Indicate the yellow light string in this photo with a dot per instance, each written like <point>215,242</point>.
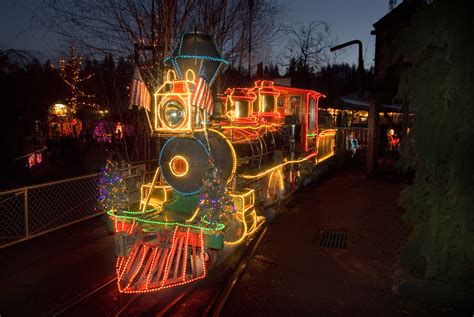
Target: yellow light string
<point>240,127</point>
<point>75,64</point>
<point>280,181</point>
<point>244,232</point>
<point>163,94</point>
<point>261,174</point>
<point>196,212</point>
<point>172,166</point>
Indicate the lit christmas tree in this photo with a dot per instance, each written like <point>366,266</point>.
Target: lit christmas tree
<point>112,189</point>
<point>216,204</point>
<point>70,71</point>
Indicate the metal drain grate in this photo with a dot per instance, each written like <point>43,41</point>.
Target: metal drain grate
<point>333,240</point>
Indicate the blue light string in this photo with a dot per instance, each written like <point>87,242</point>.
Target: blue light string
<point>181,37</point>
<point>210,58</point>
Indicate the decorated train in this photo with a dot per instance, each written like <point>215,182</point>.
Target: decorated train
<point>217,173</point>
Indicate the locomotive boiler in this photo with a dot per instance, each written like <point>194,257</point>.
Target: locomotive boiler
<point>260,144</point>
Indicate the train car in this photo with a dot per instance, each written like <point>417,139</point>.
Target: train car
<point>260,144</point>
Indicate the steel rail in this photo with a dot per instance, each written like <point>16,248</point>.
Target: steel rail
<point>84,297</point>
<point>215,306</point>
<point>127,304</point>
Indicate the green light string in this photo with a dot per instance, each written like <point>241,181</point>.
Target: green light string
<point>219,226</point>
<point>132,212</point>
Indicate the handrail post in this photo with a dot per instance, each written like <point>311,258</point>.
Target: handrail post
<point>151,189</point>
<point>25,210</point>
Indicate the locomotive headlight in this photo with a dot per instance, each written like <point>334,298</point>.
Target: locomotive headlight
<point>173,113</point>
<point>179,166</point>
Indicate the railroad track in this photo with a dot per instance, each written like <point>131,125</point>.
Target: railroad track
<point>105,299</point>
<point>83,297</point>
<point>206,297</point>
<point>215,306</point>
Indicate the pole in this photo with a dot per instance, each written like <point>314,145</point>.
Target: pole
<point>373,125</point>
<point>360,67</point>
<point>373,120</point>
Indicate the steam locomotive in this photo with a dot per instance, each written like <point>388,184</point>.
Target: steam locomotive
<point>263,140</point>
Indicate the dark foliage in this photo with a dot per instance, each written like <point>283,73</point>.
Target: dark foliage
<point>440,204</point>
<point>29,89</point>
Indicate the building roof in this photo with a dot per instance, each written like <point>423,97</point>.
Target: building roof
<point>400,15</point>
<point>356,102</point>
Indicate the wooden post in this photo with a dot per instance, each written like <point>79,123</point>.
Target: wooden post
<point>372,135</point>
<point>405,118</point>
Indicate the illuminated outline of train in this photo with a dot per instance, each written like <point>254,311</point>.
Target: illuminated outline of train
<point>265,141</point>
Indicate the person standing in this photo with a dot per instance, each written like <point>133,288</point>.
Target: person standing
<point>353,144</point>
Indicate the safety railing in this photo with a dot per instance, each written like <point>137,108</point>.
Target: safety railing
<point>35,210</point>
<point>342,137</point>
<point>326,144</point>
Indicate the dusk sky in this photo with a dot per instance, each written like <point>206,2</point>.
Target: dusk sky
<point>349,20</point>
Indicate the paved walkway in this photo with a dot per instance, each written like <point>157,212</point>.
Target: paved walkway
<point>290,274</point>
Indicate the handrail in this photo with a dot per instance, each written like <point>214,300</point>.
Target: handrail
<point>151,189</point>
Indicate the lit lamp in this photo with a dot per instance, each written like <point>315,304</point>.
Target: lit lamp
<point>59,109</point>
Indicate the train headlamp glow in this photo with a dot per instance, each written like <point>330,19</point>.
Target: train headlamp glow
<point>173,113</point>
<point>179,166</point>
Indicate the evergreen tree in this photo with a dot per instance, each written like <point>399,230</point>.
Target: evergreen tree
<point>440,203</point>
<point>274,71</point>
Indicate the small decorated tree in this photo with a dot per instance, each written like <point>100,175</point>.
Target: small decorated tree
<point>215,203</point>
<point>112,189</point>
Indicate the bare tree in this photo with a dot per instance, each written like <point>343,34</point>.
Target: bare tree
<point>15,57</point>
<point>309,43</point>
<point>123,27</point>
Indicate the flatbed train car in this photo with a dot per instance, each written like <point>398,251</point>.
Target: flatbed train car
<point>259,146</point>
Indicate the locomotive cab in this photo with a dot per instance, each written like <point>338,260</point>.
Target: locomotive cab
<point>300,108</point>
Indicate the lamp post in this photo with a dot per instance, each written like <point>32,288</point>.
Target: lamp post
<point>360,67</point>
<point>373,112</point>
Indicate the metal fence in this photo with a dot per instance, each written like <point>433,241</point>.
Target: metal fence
<point>34,210</point>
